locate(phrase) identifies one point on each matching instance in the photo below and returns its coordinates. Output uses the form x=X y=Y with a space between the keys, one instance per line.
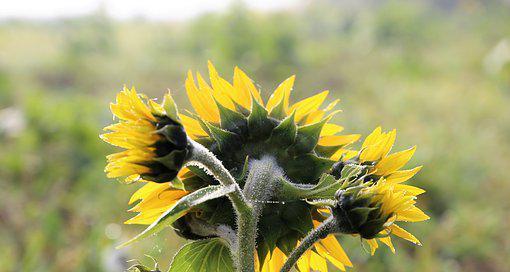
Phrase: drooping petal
x=387 y=241
x=402 y=233
x=413 y=214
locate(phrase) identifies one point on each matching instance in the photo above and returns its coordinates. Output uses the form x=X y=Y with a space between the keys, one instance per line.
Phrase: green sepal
x=224 y=138
x=173 y=160
x=180 y=208
x=167 y=176
x=327 y=151
x=208 y=255
x=174 y=134
x=285 y=133
x=308 y=137
x=259 y=124
x=170 y=107
x=351 y=170
x=278 y=112
x=231 y=120
x=321 y=202
x=359 y=215
x=202 y=122
x=306 y=168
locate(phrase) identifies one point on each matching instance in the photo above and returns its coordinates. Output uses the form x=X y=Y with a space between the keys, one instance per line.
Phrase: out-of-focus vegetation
x=438 y=71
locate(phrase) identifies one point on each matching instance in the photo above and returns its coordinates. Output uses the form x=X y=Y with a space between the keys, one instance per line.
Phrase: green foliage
x=208 y=255
x=416 y=66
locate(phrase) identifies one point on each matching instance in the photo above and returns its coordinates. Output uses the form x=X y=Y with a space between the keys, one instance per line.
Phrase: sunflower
x=394 y=200
x=154 y=139
x=237 y=125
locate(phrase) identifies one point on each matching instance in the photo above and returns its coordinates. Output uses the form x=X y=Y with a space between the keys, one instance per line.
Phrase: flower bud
x=356 y=212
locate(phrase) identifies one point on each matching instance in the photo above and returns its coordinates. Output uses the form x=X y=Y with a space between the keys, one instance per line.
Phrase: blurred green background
x=438 y=71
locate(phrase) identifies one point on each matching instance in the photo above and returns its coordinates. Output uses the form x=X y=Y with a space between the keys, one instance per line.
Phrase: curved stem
x=326 y=228
x=203 y=157
x=246 y=218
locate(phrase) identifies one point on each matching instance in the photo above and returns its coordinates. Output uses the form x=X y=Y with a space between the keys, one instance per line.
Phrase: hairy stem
x=203 y=157
x=259 y=188
x=326 y=228
x=263 y=177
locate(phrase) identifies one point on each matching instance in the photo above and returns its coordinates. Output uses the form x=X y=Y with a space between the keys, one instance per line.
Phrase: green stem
x=247 y=221
x=260 y=185
x=202 y=156
x=326 y=228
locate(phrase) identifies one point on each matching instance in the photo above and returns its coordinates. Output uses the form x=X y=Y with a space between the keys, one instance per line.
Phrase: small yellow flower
x=396 y=204
x=390 y=199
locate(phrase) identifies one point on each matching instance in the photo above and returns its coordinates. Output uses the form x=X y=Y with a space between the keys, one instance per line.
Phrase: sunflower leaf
x=181 y=208
x=209 y=255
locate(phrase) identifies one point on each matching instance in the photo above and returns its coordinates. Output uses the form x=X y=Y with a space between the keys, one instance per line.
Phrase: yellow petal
x=394 y=162
x=202 y=101
x=347 y=154
x=192 y=126
x=281 y=92
x=245 y=84
x=338 y=140
x=323 y=252
x=388 y=143
x=275 y=262
x=402 y=175
x=387 y=241
x=218 y=93
x=334 y=249
x=410 y=190
x=402 y=233
x=371 y=138
x=147 y=189
x=303 y=264
x=308 y=105
x=318 y=263
x=373 y=246
x=412 y=215
x=331 y=129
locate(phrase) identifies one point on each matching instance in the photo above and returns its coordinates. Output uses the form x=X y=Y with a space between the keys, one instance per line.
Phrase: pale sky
x=125 y=9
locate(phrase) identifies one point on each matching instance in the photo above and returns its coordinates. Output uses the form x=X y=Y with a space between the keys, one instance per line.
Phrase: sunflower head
x=359 y=211
x=377 y=197
x=152 y=135
x=235 y=123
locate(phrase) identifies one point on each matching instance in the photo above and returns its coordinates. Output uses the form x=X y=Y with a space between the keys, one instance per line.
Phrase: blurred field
x=437 y=71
